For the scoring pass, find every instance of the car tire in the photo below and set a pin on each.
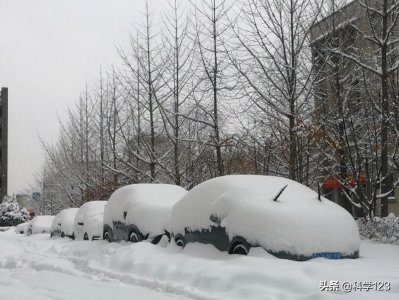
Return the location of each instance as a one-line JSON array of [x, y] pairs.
[[134, 237], [180, 241], [107, 236], [239, 249], [85, 237]]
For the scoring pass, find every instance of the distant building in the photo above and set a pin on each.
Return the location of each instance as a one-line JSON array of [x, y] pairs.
[[3, 142], [343, 76]]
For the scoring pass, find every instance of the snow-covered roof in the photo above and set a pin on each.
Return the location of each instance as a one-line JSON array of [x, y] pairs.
[[297, 222], [147, 206]]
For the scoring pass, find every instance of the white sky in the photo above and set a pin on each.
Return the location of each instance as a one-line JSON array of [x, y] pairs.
[[49, 49]]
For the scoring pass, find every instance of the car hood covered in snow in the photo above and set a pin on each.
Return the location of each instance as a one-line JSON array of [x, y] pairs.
[[148, 206], [297, 222]]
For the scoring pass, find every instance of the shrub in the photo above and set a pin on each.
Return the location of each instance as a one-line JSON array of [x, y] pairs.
[[384, 230], [11, 214]]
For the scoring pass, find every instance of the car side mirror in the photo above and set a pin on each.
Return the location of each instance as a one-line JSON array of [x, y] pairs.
[[215, 219]]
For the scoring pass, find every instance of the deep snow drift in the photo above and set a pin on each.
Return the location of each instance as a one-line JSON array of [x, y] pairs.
[[37, 267]]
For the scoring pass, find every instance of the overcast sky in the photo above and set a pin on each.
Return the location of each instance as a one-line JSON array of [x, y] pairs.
[[49, 49]]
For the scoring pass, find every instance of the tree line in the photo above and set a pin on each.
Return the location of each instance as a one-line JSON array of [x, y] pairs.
[[223, 87]]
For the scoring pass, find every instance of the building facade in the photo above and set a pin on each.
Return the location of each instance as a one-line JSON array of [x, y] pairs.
[[342, 48]]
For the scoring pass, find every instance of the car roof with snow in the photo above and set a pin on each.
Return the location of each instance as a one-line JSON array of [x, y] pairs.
[[89, 210], [149, 194], [296, 222]]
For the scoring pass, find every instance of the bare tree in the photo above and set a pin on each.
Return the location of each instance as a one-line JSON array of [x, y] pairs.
[[274, 63]]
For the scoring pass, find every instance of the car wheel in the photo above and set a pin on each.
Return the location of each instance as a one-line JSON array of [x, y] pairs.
[[134, 237], [180, 241], [86, 237], [107, 236], [239, 249], [62, 234]]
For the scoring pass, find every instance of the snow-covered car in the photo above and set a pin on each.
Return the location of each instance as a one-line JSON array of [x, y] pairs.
[[40, 224], [286, 218], [140, 212], [22, 228], [63, 223], [88, 224]]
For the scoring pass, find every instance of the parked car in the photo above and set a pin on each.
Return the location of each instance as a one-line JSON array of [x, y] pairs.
[[140, 211], [63, 223], [88, 224], [40, 224], [22, 228], [286, 218]]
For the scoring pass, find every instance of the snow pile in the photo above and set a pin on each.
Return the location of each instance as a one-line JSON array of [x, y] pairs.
[[148, 206], [91, 214], [65, 269], [11, 214], [40, 224], [385, 230], [63, 221], [22, 228], [297, 223]]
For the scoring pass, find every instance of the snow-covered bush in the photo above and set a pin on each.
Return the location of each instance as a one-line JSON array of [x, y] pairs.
[[384, 230], [11, 214]]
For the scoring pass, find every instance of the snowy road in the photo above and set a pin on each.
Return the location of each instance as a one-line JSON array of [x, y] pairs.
[[38, 267]]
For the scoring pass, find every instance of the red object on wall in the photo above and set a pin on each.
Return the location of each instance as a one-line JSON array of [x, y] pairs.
[[31, 213], [353, 182], [331, 182]]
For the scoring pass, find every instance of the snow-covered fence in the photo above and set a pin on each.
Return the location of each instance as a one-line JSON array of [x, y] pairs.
[[384, 230]]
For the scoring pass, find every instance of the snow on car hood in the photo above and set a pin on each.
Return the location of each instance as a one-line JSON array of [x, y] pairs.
[[297, 222], [148, 206]]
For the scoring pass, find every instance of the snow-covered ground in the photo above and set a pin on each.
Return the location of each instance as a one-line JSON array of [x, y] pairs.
[[37, 267]]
